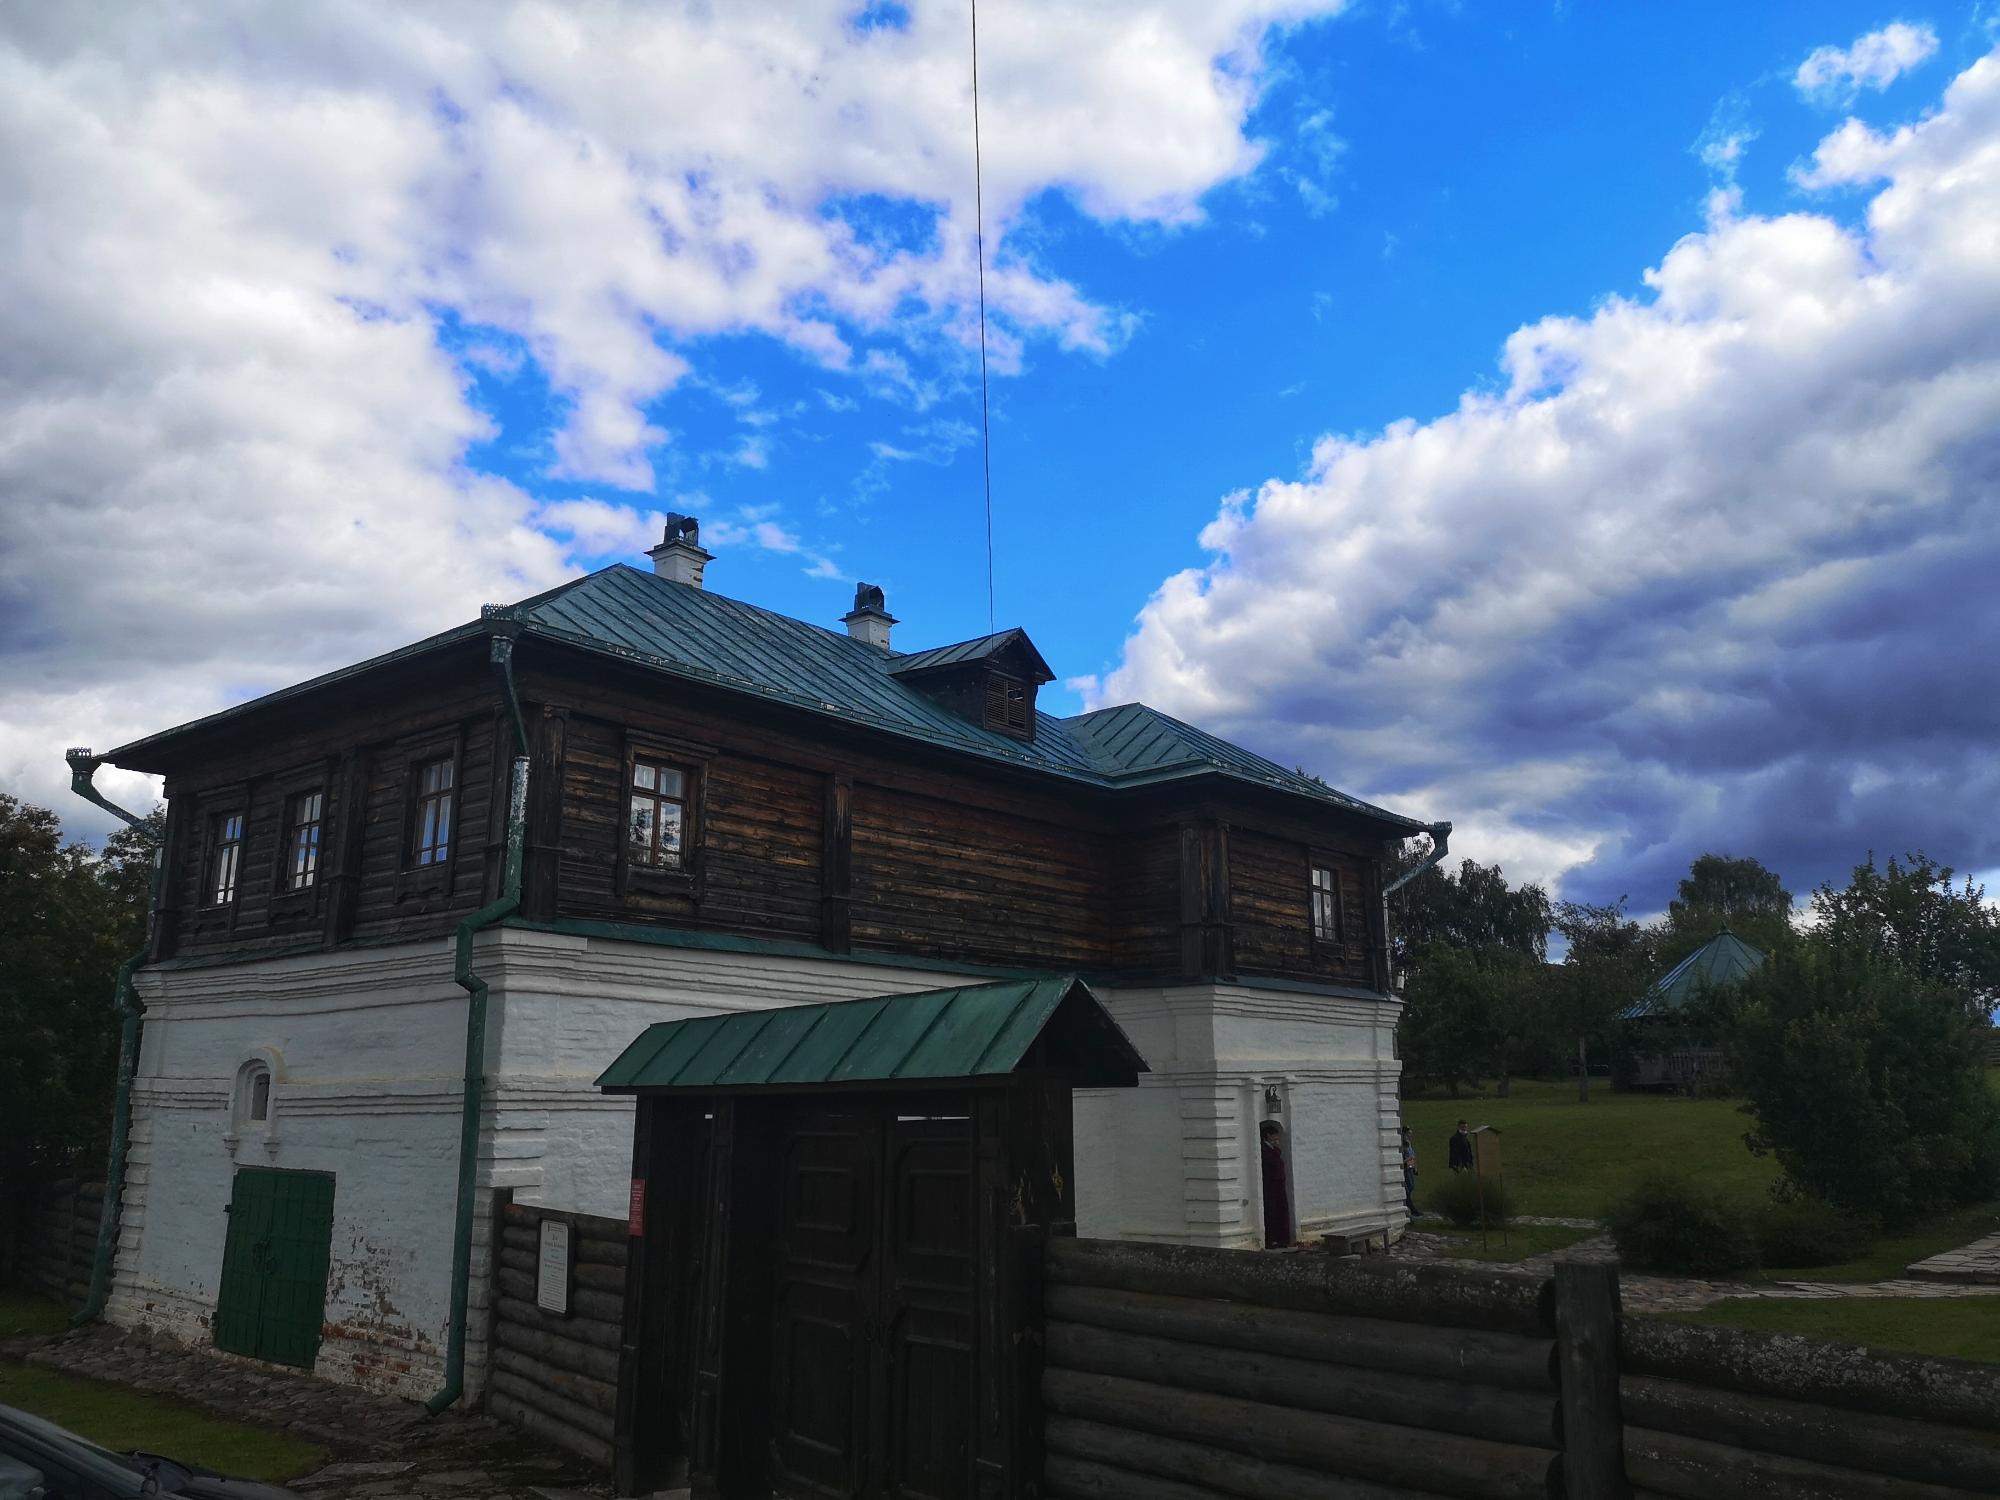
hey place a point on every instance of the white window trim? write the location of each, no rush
(269, 1062)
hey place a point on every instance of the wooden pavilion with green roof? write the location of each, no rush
(1722, 961)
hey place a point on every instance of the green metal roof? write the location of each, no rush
(1722, 960)
(983, 649)
(699, 635)
(974, 1031)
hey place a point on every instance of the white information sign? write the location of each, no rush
(552, 1269)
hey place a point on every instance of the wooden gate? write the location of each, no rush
(274, 1261)
(838, 1215)
(872, 1374)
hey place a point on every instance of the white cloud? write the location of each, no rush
(1875, 61)
(242, 243)
(1709, 549)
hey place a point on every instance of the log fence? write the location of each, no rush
(1194, 1374)
(1182, 1373)
(61, 1244)
(553, 1375)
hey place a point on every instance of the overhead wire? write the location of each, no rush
(979, 243)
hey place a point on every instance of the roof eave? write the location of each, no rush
(132, 754)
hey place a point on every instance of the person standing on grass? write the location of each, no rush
(1277, 1196)
(1409, 1172)
(1461, 1150)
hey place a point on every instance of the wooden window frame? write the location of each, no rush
(635, 879)
(283, 903)
(211, 805)
(1002, 684)
(415, 881)
(1336, 941)
(213, 821)
(289, 826)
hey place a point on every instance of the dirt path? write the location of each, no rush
(383, 1448)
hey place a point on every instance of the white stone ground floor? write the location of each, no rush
(365, 1050)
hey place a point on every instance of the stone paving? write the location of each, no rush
(1978, 1262)
(380, 1447)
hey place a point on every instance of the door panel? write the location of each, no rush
(823, 1313)
(272, 1301)
(872, 1373)
(927, 1311)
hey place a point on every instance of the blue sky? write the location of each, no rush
(1488, 166)
(406, 311)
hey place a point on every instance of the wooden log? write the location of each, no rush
(594, 1333)
(1925, 1451)
(581, 1418)
(584, 1249)
(602, 1278)
(1473, 1468)
(1066, 1478)
(548, 1429)
(598, 1363)
(1481, 1411)
(1465, 1354)
(1921, 1387)
(1200, 1464)
(595, 1395)
(1406, 1291)
(585, 1302)
(1587, 1355)
(1697, 1470)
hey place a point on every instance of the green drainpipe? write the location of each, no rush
(475, 1034)
(128, 1007)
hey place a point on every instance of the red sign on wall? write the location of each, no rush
(637, 1212)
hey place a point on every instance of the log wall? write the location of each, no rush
(1184, 1372)
(62, 1242)
(1196, 1374)
(557, 1377)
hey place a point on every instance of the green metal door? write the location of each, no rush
(274, 1262)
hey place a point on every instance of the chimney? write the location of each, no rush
(870, 619)
(679, 556)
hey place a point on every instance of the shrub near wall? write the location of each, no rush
(1667, 1223)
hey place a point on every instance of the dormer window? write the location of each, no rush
(1006, 704)
(989, 682)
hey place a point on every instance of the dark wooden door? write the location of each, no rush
(272, 1299)
(872, 1369)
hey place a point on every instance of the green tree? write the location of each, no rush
(68, 918)
(1720, 891)
(1473, 909)
(1912, 916)
(1610, 957)
(1469, 947)
(1866, 1081)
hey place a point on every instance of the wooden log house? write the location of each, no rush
(726, 809)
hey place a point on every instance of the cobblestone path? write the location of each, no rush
(382, 1447)
(1977, 1262)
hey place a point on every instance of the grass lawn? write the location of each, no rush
(124, 1420)
(1523, 1240)
(30, 1312)
(1892, 1253)
(1568, 1160)
(1957, 1327)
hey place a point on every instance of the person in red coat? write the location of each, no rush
(1277, 1196)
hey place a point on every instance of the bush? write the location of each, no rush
(1867, 1083)
(1457, 1197)
(1667, 1223)
(1810, 1232)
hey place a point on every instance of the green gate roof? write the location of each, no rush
(974, 1031)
